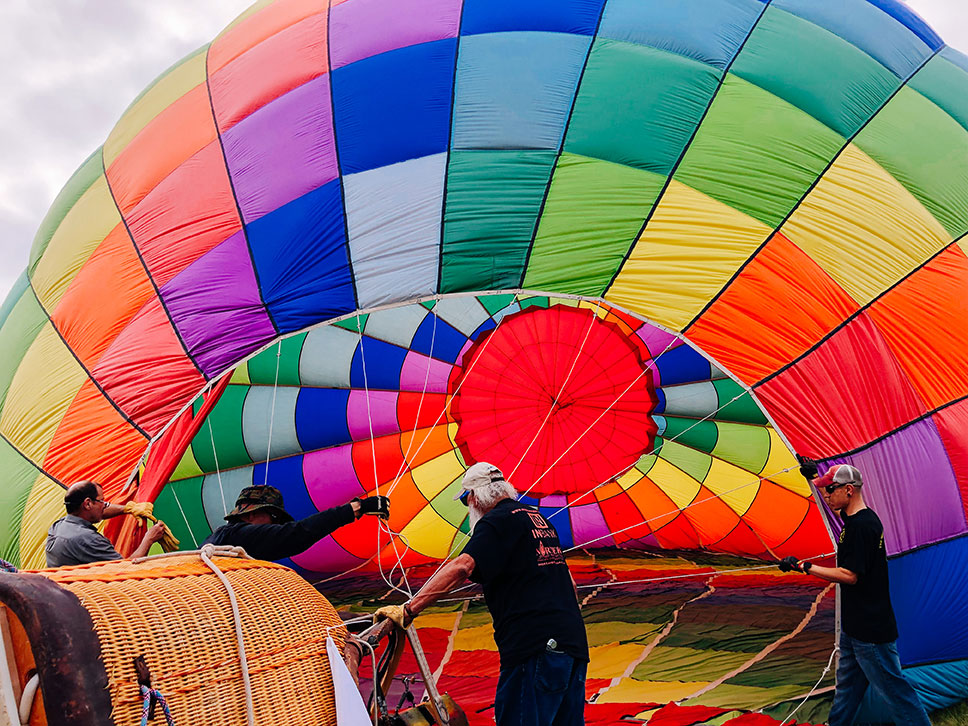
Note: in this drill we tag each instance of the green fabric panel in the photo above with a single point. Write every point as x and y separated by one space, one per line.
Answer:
19 476
695 463
632 614
946 85
815 710
756 152
706 636
82 179
815 70
187 467
689 432
494 303
16 291
647 461
620 632
444 504
781 671
352 324
748 447
493 201
168 510
593 214
24 322
926 150
687 664
747 697
743 409
534 302
241 375
224 426
638 106
262 368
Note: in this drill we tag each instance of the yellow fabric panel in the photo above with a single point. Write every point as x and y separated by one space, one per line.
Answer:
735 486
172 86
42 389
83 228
479 638
437 474
863 227
630 478
678 486
427 534
610 661
240 375
780 458
444 621
963 244
45 503
629 690
691 247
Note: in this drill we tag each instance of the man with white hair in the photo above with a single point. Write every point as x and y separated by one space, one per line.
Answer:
515 554
868 639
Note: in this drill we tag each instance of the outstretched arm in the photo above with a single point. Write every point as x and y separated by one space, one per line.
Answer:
840 575
451 575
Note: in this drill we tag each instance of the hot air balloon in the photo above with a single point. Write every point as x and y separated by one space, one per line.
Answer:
637 254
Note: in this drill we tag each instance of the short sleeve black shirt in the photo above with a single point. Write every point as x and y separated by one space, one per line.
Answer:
865 607
527 586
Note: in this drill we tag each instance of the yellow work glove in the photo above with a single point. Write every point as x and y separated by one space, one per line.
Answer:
399 614
169 543
139 509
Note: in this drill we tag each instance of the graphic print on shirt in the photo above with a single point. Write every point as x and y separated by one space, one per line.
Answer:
547 548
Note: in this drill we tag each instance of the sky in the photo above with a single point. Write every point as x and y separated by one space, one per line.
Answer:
69 68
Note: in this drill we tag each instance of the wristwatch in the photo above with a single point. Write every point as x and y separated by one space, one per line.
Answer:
806 566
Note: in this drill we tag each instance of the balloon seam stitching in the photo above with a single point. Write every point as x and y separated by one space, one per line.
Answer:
847 142
685 149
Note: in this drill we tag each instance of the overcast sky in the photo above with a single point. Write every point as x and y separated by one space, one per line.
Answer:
69 68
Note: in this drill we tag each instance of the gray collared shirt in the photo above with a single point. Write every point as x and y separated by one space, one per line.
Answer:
74 541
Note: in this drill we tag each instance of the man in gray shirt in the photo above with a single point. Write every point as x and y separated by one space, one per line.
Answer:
73 540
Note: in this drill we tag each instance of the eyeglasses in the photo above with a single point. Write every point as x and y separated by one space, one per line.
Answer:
463 497
831 488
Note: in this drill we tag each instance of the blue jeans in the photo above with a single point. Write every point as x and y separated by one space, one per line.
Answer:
548 689
873 664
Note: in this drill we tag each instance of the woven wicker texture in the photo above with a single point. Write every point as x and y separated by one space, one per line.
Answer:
176 613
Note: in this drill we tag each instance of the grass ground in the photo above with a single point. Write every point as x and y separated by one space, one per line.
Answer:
954 716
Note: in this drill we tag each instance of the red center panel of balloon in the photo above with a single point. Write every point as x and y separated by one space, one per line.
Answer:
557 398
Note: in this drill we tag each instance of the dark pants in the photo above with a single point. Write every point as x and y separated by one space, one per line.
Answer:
548 689
877 665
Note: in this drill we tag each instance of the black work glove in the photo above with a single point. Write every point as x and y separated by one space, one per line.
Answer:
808 467
789 564
380 506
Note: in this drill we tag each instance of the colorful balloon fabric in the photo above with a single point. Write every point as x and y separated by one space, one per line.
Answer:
781 186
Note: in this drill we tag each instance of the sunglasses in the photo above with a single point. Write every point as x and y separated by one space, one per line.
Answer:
831 488
463 497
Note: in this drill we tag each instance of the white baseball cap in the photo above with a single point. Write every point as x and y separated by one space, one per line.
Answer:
478 475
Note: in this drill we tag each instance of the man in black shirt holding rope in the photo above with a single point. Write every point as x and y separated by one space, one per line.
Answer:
868 639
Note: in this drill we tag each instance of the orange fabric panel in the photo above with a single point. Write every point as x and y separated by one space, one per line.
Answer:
146 371
656 506
90 321
775 513
711 517
810 540
775 309
174 135
277 65
425 445
407 502
844 394
742 541
79 449
923 321
952 423
186 215
256 28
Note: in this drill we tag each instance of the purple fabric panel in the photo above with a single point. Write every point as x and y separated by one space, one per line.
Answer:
326 556
330 477
282 151
382 411
909 482
554 500
363 28
413 374
657 340
588 525
216 306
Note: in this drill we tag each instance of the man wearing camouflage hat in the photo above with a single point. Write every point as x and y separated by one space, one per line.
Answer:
261 525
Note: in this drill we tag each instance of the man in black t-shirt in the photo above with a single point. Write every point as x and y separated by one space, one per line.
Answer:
868 639
515 554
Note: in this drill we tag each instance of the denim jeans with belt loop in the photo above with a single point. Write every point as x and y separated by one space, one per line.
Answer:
548 689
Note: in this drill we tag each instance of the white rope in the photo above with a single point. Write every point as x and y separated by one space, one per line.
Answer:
272 416
191 532
826 670
218 469
206 553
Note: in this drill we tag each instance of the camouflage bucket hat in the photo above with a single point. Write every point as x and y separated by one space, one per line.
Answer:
259 497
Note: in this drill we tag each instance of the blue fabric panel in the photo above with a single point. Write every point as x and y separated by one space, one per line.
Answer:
956 57
286 475
488 324
321 418
559 16
929 591
384 362
447 340
910 19
710 32
394 106
514 90
300 257
561 524
861 24
660 402
682 364
938 686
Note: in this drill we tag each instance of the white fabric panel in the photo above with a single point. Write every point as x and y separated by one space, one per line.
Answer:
393 218
464 313
692 400
396 325
219 492
257 411
327 356
350 710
